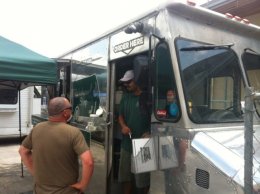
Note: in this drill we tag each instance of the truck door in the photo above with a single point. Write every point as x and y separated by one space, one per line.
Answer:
137 63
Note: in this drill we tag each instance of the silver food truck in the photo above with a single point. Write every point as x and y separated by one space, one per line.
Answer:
211 60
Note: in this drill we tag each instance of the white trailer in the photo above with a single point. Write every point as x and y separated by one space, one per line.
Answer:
9 112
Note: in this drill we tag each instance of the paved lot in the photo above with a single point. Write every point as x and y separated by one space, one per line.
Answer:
11 170
11 180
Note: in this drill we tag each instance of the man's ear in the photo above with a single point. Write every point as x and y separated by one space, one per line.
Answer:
65 114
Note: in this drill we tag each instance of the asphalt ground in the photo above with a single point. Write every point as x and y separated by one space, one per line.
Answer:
14 177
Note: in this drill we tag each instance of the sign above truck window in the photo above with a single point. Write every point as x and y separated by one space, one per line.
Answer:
125 43
128 46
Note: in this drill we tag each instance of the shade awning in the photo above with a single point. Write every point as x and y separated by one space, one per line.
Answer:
21 67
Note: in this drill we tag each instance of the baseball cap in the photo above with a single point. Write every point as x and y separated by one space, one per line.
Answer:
128 76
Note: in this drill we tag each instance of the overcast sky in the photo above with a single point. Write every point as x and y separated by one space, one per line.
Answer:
52 27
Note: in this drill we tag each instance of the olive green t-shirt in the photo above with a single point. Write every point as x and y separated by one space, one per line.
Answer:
55 149
137 121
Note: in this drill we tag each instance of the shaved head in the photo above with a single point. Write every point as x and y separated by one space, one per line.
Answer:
57 105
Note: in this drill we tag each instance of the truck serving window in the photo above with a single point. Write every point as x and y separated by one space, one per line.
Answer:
211 80
251 63
167 105
89 80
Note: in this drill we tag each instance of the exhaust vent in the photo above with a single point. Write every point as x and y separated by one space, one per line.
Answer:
202 178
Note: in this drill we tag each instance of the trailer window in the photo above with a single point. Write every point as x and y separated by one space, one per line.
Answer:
166 98
8 96
211 80
252 66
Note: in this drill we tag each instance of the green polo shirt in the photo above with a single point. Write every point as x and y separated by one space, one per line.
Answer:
138 122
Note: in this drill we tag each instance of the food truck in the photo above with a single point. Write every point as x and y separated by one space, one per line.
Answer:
211 60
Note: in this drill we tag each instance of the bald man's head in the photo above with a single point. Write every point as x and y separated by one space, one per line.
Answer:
57 105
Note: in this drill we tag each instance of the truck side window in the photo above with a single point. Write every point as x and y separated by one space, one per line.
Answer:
166 98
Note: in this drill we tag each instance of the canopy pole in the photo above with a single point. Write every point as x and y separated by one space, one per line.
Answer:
20 126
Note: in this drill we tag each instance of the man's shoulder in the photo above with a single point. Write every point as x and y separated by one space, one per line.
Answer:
69 127
61 125
44 123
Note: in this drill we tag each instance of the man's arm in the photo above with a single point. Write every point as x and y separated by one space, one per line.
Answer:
124 128
87 170
26 156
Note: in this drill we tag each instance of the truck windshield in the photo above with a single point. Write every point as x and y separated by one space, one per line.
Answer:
211 81
251 62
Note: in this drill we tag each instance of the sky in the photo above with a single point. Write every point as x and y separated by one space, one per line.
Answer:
53 27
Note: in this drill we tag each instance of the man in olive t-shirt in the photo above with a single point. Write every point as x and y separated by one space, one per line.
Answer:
51 151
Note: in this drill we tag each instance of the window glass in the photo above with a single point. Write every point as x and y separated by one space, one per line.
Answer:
89 79
8 96
252 66
211 80
221 100
166 98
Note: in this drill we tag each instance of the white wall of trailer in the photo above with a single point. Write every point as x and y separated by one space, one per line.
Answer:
9 115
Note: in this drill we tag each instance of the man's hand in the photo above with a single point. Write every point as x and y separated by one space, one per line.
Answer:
146 135
78 187
26 156
126 130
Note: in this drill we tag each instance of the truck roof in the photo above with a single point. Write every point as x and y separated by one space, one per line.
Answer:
190 12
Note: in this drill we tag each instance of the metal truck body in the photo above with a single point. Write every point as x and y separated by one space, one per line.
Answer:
209 60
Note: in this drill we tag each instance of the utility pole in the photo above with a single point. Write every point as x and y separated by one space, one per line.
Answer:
250 96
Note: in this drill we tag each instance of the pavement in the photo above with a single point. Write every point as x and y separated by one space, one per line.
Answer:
14 177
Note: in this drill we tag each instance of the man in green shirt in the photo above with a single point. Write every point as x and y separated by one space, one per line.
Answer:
51 152
134 124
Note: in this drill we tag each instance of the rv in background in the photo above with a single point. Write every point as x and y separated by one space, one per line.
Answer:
9 111
208 59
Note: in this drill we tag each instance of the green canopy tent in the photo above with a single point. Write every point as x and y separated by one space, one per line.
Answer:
21 67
